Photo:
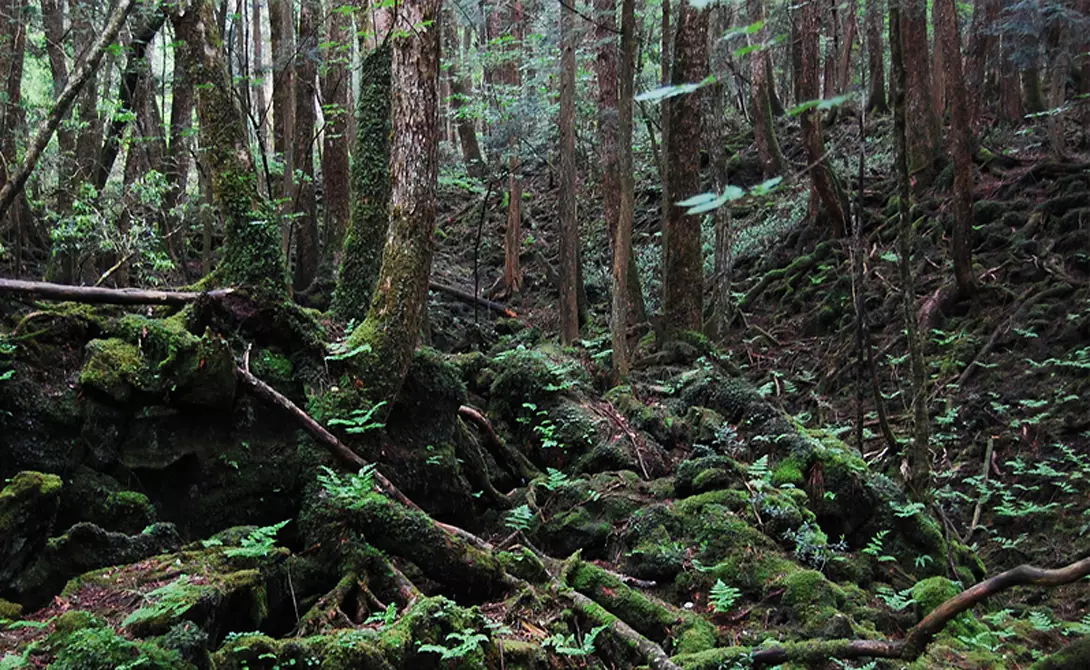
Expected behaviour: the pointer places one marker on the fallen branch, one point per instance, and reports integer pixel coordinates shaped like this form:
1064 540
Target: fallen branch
519 465
919 636
472 299
105 296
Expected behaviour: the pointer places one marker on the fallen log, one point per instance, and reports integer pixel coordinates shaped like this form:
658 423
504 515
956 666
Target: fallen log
471 299
105 296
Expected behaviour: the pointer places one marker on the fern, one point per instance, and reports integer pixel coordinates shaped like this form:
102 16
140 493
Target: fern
723 597
556 479
359 420
568 646
348 490
469 641
519 518
259 543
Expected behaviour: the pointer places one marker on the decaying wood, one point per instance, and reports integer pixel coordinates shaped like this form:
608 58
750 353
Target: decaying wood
104 296
471 299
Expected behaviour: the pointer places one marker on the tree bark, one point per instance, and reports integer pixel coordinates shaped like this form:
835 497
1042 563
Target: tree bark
876 68
946 31
13 14
764 130
569 226
370 217
462 92
251 254
260 74
394 319
512 242
336 82
103 296
622 239
304 206
1010 92
923 124
14 185
82 32
916 462
282 39
716 141
683 272
981 51
821 171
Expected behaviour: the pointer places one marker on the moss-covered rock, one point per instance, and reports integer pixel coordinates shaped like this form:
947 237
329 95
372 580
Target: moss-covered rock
934 591
28 505
1074 656
84 642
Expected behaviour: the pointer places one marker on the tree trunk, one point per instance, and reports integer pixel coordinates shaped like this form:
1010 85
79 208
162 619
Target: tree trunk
876 68
251 253
683 272
1057 85
53 14
304 204
939 71
981 48
13 14
512 243
622 242
764 130
923 125
569 226
946 32
1010 93
462 92
258 68
916 459
1084 68
82 32
844 58
369 217
14 185
393 322
821 173
282 39
181 123
716 141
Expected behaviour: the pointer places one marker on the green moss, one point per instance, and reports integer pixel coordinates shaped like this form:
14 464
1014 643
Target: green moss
114 368
934 591
9 610
83 642
1075 656
788 471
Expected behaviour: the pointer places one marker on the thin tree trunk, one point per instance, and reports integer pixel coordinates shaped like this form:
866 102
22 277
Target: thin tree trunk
876 68
981 50
89 139
821 172
916 459
946 31
512 244
716 134
683 276
844 58
764 130
393 322
282 38
13 14
622 244
1057 80
304 204
938 78
257 35
80 76
53 15
336 81
923 125
569 226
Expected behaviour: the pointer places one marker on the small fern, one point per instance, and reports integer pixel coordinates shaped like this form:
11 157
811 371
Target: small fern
469 641
723 596
348 490
259 543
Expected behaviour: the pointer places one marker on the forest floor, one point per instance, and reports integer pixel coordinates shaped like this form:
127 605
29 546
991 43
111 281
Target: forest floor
716 508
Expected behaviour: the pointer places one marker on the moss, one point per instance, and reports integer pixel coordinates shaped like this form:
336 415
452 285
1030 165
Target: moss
370 180
1075 656
83 642
114 368
9 610
27 507
689 633
934 591
788 471
812 598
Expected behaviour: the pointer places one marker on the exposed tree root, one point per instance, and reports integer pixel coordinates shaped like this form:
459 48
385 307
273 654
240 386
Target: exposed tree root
799 266
515 462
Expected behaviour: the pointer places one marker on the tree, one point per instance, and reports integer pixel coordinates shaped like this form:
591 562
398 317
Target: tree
825 186
388 336
336 83
764 131
369 217
512 243
923 124
569 226
252 256
876 69
622 239
946 30
916 464
304 205
683 275
461 92
13 22
282 39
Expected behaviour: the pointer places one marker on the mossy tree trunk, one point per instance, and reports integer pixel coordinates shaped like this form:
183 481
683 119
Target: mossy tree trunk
622 239
370 176
389 334
683 277
282 41
304 206
252 256
981 49
569 225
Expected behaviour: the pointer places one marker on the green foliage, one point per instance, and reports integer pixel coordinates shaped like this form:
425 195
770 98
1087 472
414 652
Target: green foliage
895 600
7 350
468 642
348 491
874 547
723 596
519 519
545 428
555 479
359 420
568 645
170 600
259 543
385 618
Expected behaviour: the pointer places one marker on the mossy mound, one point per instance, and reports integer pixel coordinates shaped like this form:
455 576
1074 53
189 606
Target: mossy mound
28 505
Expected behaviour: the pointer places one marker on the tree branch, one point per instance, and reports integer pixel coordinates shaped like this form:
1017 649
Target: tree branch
106 296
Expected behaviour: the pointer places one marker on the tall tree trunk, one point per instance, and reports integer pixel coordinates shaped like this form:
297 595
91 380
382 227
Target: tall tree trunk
282 39
251 253
683 272
821 173
336 80
715 132
369 217
981 51
53 18
831 85
938 83
946 32
181 123
764 130
89 139
394 319
622 243
569 225
844 58
461 93
916 459
923 125
304 204
257 33
13 15
876 67
512 243
1084 68
1057 84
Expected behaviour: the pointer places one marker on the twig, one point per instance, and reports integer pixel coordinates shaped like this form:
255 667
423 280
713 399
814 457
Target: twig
985 471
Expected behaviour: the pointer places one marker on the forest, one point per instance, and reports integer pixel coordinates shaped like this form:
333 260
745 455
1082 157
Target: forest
513 334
